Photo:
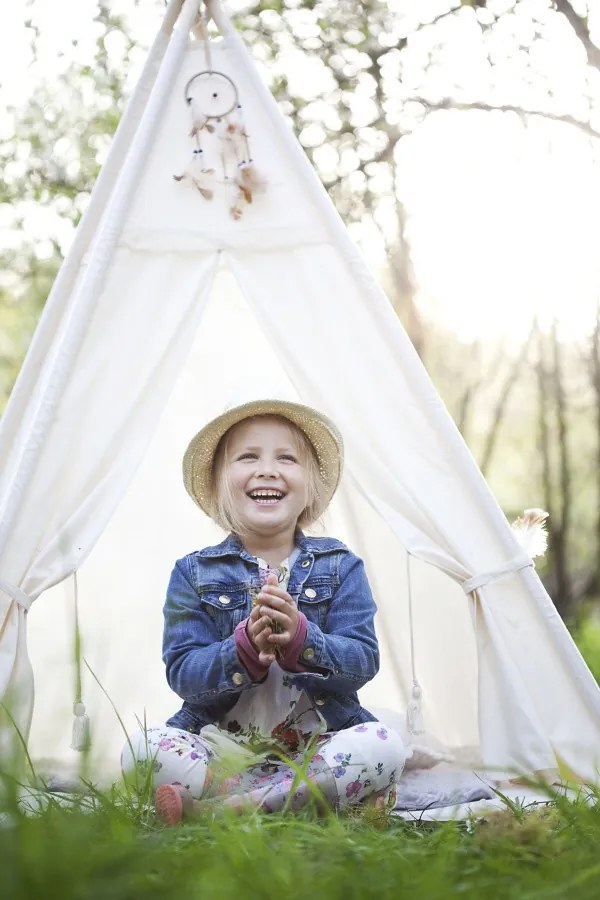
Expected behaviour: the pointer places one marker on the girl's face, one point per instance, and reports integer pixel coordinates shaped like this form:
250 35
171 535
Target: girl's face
267 478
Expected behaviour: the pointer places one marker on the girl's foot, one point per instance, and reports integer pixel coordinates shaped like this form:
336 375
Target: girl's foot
172 801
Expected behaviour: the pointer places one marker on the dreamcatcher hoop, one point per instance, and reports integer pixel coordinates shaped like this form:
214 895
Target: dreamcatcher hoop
211 73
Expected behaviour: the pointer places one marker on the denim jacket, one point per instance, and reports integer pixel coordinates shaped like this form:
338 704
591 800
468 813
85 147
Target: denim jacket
210 593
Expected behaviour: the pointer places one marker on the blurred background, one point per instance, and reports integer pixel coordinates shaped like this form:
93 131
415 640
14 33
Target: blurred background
460 142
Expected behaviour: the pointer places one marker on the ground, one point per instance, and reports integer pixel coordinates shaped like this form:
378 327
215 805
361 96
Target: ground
121 851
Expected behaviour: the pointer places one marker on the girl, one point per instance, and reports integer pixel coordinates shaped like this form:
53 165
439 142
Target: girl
269 635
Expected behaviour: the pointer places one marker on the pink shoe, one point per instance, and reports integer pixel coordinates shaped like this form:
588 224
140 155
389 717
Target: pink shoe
172 801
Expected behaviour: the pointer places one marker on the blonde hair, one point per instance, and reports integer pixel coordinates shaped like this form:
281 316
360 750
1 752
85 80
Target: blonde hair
222 506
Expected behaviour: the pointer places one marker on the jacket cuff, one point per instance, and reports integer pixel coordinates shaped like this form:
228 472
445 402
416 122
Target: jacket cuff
312 653
290 660
248 654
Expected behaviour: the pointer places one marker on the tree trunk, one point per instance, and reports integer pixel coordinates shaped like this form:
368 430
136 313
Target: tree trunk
556 480
561 554
514 373
403 276
595 379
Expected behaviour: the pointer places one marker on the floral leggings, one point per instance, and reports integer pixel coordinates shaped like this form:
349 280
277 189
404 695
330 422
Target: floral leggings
347 767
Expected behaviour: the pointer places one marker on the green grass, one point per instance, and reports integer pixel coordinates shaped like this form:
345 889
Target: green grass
587 638
120 851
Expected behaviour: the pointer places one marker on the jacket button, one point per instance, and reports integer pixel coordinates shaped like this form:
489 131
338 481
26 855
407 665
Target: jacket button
237 678
306 564
320 701
310 593
224 599
309 653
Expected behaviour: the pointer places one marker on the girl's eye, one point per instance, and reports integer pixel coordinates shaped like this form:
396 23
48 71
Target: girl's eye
288 457
247 456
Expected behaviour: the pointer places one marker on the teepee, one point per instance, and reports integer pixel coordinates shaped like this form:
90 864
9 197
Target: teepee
177 290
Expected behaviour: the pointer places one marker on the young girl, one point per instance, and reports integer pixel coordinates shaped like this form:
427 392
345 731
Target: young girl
268 635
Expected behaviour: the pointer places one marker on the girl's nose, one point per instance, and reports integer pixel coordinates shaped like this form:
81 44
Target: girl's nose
267 470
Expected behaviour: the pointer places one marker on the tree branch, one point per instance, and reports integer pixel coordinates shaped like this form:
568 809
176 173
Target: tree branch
449 103
579 24
395 134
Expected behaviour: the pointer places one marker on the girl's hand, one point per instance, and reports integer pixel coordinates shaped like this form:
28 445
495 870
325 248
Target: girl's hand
278 606
258 629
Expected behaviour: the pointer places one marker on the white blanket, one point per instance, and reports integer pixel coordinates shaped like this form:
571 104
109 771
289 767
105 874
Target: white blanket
445 785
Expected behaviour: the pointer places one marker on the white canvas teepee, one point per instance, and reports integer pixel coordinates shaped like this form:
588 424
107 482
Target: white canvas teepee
164 303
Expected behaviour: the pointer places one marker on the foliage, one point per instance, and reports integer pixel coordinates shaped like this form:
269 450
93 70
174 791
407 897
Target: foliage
371 73
61 136
27 281
587 637
54 149
68 853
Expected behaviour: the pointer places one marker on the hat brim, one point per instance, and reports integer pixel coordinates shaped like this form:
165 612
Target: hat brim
320 431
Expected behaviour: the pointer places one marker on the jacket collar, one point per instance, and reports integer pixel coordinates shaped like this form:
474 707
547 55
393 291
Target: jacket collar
232 546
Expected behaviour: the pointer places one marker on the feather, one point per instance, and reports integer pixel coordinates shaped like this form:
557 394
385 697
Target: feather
530 531
202 179
200 121
231 133
250 181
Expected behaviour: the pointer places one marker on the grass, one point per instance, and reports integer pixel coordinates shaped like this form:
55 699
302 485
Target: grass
587 638
118 850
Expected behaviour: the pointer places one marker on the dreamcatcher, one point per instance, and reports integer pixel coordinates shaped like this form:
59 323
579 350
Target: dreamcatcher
221 155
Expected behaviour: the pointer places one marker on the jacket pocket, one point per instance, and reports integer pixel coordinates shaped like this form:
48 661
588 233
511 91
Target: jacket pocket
226 608
315 600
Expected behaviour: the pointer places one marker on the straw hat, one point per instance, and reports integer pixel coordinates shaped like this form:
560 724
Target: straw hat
320 431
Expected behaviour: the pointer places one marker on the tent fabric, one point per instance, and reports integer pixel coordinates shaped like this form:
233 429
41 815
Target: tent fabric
121 326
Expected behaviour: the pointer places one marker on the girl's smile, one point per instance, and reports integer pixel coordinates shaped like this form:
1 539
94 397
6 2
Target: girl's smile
266 496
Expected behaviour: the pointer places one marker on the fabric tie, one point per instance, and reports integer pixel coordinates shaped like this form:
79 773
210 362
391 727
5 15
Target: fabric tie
23 599
522 561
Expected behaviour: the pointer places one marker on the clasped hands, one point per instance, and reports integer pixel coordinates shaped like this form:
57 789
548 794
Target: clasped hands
274 605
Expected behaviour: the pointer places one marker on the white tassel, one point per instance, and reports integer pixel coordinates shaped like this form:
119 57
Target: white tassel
80 737
414 712
530 531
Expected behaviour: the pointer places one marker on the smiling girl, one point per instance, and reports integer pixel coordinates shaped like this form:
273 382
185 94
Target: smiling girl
268 635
